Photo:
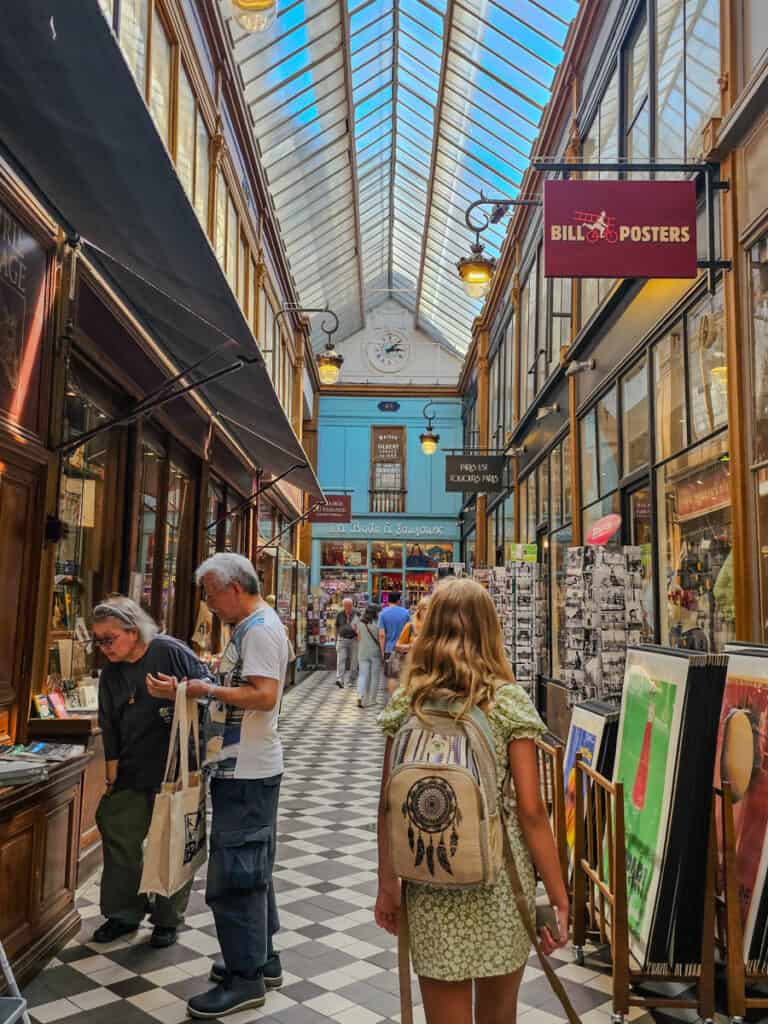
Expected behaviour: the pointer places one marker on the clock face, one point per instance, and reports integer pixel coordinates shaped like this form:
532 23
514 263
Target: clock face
389 353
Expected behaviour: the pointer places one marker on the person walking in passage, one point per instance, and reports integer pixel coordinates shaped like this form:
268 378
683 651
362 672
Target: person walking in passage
347 632
462 939
369 654
244 758
136 730
412 629
391 624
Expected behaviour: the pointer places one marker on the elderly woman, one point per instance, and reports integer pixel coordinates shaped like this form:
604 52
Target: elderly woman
136 731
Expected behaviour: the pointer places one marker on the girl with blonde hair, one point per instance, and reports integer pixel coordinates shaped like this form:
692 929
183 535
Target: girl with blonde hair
473 938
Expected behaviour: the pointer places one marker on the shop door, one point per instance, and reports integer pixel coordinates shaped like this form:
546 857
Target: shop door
638 530
20 541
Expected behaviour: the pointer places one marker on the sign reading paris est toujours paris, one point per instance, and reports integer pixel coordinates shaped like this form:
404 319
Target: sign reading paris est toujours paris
477 474
620 229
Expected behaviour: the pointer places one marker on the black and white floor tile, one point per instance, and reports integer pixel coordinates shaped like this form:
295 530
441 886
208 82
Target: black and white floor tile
338 966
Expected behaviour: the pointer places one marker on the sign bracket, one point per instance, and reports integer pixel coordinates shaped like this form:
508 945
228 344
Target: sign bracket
712 184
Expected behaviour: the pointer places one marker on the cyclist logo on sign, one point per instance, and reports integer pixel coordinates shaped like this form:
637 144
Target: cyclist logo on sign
598 227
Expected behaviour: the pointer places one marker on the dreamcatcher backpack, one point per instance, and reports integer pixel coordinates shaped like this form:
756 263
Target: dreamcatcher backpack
442 804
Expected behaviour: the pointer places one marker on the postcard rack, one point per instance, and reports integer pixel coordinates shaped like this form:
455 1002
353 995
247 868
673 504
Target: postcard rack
730 932
549 758
600 900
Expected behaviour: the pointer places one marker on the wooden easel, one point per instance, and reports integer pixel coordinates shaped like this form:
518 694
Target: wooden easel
549 758
731 933
600 898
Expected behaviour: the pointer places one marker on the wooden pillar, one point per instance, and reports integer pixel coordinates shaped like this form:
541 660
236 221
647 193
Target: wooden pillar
304 532
297 401
481 527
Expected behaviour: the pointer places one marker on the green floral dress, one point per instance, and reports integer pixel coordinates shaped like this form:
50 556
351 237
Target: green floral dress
474 933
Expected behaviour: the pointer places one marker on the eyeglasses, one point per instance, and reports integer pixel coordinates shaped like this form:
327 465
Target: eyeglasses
104 641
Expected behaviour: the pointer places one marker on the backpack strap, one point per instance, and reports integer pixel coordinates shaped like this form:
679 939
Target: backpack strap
404 960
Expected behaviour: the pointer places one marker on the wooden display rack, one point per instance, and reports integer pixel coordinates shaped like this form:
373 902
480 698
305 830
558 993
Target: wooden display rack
600 898
549 757
730 931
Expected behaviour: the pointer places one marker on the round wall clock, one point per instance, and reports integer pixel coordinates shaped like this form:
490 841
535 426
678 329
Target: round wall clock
389 353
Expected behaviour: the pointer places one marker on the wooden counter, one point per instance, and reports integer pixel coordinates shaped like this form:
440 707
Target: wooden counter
39 846
81 729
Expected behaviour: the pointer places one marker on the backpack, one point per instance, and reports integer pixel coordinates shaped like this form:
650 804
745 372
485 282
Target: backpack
442 809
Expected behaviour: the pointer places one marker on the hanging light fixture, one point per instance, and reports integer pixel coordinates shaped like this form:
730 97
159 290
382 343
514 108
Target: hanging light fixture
430 441
253 15
476 271
329 363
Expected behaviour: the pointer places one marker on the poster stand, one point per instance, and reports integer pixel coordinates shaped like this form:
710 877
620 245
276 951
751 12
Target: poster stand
730 931
600 899
549 758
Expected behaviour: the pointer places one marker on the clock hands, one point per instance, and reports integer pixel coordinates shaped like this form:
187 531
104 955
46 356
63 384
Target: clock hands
393 348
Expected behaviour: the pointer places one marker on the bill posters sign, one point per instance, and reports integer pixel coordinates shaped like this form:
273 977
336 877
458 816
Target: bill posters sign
620 229
646 757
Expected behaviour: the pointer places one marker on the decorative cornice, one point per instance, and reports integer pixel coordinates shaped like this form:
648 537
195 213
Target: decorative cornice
389 391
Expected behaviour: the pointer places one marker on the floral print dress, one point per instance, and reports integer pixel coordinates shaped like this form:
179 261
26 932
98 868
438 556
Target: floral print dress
475 933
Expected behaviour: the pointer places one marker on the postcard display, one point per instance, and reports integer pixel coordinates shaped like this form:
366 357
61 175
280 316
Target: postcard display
517 591
603 616
665 758
742 759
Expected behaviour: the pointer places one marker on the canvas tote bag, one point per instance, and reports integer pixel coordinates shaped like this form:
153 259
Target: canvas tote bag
175 846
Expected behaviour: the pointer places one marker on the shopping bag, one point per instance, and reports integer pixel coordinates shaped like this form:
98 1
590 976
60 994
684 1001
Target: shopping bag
176 846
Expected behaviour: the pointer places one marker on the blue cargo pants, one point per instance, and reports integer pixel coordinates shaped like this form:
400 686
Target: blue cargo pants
239 887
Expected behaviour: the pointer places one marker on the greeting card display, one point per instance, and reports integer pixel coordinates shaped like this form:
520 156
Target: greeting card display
665 755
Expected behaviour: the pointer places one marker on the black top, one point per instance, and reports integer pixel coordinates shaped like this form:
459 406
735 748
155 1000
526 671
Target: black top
136 726
346 628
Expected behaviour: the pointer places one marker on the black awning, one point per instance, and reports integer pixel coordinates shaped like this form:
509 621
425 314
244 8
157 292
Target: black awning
74 123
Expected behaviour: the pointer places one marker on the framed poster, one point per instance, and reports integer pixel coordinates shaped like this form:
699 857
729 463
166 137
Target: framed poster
584 737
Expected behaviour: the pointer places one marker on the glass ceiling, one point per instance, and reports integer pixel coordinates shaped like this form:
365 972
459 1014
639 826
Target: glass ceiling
378 122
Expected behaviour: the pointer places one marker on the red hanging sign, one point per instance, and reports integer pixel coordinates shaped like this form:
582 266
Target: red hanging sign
338 509
620 229
603 530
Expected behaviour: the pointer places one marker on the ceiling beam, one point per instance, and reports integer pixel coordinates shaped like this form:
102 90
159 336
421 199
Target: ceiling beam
346 42
393 154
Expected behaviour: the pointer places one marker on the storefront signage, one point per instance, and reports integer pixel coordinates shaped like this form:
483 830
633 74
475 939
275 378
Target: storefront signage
602 531
474 473
706 491
383 528
389 406
620 229
387 444
338 509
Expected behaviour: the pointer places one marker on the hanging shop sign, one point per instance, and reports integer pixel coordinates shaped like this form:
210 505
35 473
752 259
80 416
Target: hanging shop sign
602 531
474 473
388 444
338 509
620 229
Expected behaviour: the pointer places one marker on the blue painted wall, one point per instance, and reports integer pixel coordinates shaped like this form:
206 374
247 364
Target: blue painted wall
344 463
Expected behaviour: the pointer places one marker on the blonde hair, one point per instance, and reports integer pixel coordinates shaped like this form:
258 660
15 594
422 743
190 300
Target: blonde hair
420 611
459 653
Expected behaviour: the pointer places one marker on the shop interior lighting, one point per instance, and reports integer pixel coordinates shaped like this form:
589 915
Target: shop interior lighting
575 368
547 410
253 15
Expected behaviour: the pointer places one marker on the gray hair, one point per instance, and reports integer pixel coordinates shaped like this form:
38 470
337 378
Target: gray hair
127 612
226 567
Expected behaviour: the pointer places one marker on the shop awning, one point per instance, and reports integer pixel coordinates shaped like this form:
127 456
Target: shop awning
75 125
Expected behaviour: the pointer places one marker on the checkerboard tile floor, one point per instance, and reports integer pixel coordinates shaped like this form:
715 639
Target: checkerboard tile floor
338 965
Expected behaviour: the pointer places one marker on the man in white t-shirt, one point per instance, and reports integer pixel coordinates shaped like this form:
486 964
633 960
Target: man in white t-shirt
244 757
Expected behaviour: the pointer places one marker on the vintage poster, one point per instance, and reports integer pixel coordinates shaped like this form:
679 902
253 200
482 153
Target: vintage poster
646 763
742 759
584 738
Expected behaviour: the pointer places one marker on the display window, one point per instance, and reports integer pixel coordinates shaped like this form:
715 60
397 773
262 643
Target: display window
707 366
758 265
640 518
509 526
384 582
669 393
589 472
635 419
349 553
695 540
604 507
386 556
427 556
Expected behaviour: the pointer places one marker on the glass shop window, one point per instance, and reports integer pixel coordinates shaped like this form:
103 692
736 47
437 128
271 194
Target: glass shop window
509 526
695 541
635 418
152 473
215 508
559 542
427 555
179 522
707 366
637 114
589 474
758 262
134 32
160 72
669 393
351 553
608 435
386 556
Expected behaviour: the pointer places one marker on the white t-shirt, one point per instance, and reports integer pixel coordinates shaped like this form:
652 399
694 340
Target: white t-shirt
264 651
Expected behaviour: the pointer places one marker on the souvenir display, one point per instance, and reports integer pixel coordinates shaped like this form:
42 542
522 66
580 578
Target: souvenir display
665 755
742 760
603 614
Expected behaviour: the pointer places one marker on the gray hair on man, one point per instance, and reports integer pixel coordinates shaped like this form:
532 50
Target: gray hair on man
129 614
226 567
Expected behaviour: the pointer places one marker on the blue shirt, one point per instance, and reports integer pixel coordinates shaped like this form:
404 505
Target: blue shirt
391 620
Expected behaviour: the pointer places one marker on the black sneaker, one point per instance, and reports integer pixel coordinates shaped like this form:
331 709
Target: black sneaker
229 996
162 938
113 929
340 684
272 971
